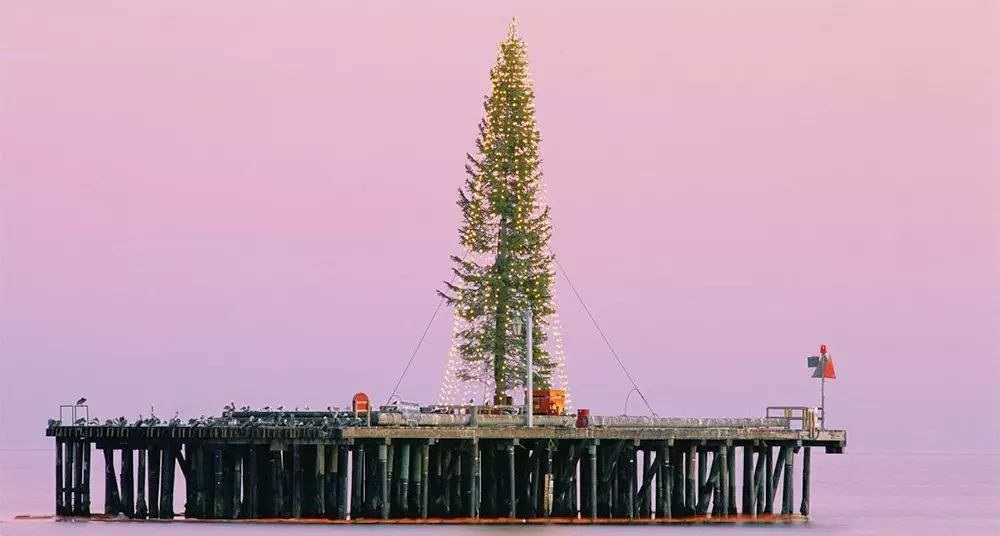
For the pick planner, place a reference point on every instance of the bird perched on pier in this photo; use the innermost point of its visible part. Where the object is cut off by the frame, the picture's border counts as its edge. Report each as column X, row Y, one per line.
column 82, row 401
column 95, row 421
column 54, row 422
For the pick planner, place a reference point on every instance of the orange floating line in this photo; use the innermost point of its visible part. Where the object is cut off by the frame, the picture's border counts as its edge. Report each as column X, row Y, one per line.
column 731, row 520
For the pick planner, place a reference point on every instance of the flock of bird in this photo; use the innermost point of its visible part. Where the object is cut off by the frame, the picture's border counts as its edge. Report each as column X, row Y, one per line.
column 245, row 417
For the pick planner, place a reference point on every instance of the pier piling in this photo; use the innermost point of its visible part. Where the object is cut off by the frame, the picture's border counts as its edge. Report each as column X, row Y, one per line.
column 112, row 500
column 141, row 510
column 60, row 472
column 128, row 484
column 789, row 481
column 806, row 457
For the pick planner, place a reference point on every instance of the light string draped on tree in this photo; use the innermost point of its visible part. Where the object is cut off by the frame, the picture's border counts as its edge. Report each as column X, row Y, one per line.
column 506, row 231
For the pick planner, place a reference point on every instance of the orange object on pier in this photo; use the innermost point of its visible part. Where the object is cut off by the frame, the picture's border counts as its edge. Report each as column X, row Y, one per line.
column 548, row 401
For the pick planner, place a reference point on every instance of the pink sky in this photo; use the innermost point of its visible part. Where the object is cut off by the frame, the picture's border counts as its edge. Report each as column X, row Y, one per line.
column 255, row 201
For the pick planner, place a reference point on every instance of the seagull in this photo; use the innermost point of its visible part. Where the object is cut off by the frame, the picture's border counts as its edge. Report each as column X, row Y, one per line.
column 81, row 401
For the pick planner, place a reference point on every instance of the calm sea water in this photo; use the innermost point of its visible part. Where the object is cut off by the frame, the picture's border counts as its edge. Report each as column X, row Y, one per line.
column 852, row 494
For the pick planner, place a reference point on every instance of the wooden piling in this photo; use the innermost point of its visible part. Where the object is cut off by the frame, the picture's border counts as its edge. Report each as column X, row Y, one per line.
column 60, row 492
column 76, row 478
column 77, row 482
column 141, row 511
column 678, row 495
column 546, row 482
column 469, row 479
column 383, row 479
column 731, row 486
column 690, row 487
column 236, row 482
column 154, row 482
column 591, row 481
column 84, row 494
column 708, row 490
column 67, row 477
column 357, row 481
column 631, row 473
column 372, row 479
column 779, row 466
column 717, row 489
column 343, row 454
column 128, row 484
column 758, row 479
column 645, row 489
column 252, row 491
column 425, row 487
column 511, row 482
column 297, row 481
column 330, row 470
column 806, row 459
column 112, row 500
column 168, row 463
column 789, row 481
column 403, row 500
column 725, row 466
column 444, row 487
column 769, row 479
column 665, row 507
column 702, row 469
column 748, row 482
column 535, row 489
column 218, row 484
column 278, row 483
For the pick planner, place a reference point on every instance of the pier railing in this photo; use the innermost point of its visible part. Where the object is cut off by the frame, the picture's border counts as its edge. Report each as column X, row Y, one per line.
column 804, row 415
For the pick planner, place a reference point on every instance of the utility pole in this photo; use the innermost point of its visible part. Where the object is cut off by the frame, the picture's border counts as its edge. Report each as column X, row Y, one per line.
column 529, row 398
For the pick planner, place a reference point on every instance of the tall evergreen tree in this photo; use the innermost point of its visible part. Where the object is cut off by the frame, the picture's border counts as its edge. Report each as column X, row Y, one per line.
column 506, row 232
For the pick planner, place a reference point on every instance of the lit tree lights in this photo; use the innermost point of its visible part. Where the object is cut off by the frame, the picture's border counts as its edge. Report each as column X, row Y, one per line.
column 505, row 233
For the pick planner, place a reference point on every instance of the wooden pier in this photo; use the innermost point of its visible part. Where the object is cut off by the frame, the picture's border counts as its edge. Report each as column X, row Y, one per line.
column 456, row 467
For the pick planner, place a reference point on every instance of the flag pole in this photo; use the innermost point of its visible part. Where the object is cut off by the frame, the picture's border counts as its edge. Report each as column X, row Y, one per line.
column 822, row 403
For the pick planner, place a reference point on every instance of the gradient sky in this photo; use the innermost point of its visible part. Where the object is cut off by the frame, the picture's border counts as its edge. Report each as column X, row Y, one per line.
column 251, row 201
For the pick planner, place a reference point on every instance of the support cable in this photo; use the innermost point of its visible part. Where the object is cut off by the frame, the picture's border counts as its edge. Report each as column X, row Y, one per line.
column 422, row 337
column 601, row 331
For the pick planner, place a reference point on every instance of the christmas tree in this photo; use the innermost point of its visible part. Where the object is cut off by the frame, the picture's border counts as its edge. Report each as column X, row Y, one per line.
column 506, row 230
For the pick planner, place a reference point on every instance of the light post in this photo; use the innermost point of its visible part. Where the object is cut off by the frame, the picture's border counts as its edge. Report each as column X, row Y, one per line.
column 529, row 401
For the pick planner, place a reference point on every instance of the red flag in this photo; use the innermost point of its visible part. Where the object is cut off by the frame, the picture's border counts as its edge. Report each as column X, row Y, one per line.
column 828, row 371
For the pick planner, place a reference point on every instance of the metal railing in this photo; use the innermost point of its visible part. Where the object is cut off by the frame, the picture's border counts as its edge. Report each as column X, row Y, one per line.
column 805, row 415
column 73, row 412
